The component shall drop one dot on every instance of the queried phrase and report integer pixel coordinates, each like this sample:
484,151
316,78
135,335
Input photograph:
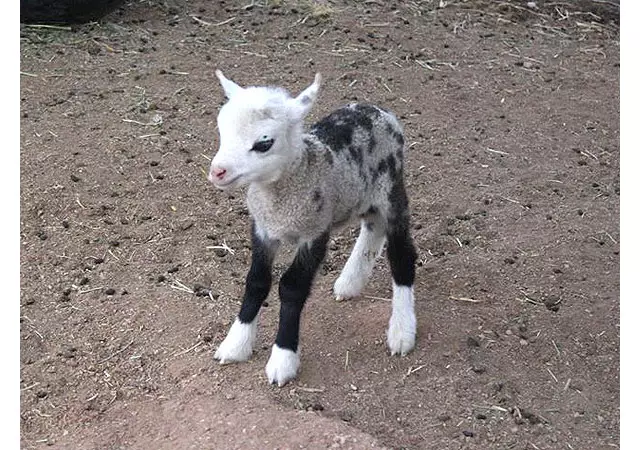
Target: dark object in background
65,11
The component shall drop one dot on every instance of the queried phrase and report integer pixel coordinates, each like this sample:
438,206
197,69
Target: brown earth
512,122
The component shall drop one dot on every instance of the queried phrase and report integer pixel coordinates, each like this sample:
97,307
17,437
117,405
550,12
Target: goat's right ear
230,88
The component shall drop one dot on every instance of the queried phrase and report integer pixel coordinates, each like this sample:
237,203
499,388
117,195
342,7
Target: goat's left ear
302,104
230,88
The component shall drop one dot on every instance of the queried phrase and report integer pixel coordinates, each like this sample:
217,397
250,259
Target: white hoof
238,345
282,366
348,285
401,335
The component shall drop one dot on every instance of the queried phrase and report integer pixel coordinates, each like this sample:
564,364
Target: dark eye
262,146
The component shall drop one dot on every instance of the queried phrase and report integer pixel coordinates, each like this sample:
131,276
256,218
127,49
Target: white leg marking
282,366
238,345
359,266
401,336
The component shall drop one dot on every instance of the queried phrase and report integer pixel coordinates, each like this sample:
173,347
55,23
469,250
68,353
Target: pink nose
217,173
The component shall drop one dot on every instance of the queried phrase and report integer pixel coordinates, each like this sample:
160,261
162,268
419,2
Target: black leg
238,345
401,334
259,278
295,286
401,251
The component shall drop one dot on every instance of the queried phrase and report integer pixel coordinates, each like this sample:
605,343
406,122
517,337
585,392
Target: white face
255,128
253,147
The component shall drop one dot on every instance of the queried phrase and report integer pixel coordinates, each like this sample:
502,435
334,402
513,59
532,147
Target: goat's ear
302,104
230,88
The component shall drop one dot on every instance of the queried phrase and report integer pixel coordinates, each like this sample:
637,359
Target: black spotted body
349,165
367,146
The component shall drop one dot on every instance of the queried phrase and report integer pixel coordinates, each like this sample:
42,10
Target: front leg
238,345
295,286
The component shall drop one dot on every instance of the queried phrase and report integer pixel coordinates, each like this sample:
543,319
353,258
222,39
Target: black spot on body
319,199
367,110
372,143
336,130
379,170
328,156
382,167
391,162
398,137
356,154
390,129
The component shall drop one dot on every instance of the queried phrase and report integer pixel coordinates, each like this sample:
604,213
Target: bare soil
132,264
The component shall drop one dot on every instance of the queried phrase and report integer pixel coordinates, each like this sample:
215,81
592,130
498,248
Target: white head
260,132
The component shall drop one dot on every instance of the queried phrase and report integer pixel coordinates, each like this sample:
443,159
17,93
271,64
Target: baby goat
301,186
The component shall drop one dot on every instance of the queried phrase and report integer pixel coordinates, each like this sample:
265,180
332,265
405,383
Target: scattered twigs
465,299
224,22
200,21
371,297
497,151
512,201
49,27
193,347
86,291
224,247
529,299
415,369
155,121
492,408
430,63
180,286
116,353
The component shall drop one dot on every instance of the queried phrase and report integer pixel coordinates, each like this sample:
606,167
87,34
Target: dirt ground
133,265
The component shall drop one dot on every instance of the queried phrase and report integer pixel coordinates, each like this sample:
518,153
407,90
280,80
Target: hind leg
401,252
359,266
